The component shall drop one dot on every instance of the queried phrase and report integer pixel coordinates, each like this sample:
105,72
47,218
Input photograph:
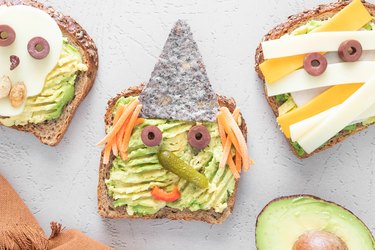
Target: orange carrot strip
120,136
238,162
230,134
107,153
232,167
129,128
119,111
116,128
232,124
139,121
114,148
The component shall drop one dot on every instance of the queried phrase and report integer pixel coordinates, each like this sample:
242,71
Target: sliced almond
17,95
5,86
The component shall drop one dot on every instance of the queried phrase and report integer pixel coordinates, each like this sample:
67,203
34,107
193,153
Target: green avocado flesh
131,181
286,102
282,222
57,92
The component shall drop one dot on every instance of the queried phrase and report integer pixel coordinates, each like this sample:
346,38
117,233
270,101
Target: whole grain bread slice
105,202
51,132
322,12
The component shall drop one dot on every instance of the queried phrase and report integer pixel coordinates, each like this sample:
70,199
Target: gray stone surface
60,183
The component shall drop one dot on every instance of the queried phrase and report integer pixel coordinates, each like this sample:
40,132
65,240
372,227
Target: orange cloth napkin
20,230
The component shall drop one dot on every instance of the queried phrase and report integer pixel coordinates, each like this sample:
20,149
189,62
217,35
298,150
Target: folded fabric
20,230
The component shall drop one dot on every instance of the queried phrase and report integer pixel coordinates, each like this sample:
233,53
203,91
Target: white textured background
60,183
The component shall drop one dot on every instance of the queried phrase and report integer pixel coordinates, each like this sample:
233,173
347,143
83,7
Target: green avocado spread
130,182
57,92
286,102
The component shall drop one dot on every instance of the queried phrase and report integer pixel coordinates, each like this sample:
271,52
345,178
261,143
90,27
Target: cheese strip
355,105
353,17
313,42
330,98
301,128
337,73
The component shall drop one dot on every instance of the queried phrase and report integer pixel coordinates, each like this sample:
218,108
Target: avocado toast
47,114
168,172
288,107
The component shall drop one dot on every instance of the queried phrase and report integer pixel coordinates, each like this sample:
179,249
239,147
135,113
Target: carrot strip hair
129,128
107,153
115,129
238,162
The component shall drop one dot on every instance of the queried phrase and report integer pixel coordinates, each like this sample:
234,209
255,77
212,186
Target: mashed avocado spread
58,90
131,181
286,102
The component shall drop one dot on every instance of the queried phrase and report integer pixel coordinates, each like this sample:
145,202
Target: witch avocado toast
48,64
174,149
317,70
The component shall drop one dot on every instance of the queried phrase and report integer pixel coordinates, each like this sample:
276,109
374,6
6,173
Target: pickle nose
14,62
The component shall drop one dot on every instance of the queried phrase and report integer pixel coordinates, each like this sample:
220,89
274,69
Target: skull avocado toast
45,72
317,71
174,149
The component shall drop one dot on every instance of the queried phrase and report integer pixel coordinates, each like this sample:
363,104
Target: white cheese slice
28,22
304,96
347,112
315,42
338,73
297,130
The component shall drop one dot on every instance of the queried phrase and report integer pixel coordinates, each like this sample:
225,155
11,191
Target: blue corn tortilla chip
179,88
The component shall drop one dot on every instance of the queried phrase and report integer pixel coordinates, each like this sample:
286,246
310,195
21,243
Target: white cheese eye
7,35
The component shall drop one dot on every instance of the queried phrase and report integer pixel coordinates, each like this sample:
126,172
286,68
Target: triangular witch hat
179,88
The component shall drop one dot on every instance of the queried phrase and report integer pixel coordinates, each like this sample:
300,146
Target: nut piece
17,94
5,86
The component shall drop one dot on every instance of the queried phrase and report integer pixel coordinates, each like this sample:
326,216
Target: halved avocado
304,222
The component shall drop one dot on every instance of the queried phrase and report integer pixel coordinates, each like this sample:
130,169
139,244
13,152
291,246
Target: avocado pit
319,240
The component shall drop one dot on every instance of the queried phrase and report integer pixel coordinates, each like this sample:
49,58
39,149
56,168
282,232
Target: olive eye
151,136
350,51
7,35
38,48
199,137
315,64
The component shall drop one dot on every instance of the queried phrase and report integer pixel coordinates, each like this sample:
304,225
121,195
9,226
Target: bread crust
321,12
105,206
51,132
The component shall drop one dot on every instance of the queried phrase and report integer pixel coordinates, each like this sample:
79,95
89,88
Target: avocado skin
308,196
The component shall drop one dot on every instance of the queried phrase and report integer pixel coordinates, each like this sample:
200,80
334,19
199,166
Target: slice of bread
322,12
105,203
51,132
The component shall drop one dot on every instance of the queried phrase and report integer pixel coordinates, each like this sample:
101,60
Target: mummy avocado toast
304,222
48,64
318,73
174,149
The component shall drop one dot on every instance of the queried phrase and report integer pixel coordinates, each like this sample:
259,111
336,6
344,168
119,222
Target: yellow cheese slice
352,17
328,99
355,105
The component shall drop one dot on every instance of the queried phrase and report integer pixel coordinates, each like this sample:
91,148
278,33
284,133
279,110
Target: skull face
27,23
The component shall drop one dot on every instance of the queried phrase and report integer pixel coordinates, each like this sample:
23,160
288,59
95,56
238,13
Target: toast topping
19,25
151,136
17,95
7,35
179,88
350,50
38,48
315,64
326,111
199,137
5,86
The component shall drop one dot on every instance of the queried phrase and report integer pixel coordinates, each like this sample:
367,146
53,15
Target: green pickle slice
177,166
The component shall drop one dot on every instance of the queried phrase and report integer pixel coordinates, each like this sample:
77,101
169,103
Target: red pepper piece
160,194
